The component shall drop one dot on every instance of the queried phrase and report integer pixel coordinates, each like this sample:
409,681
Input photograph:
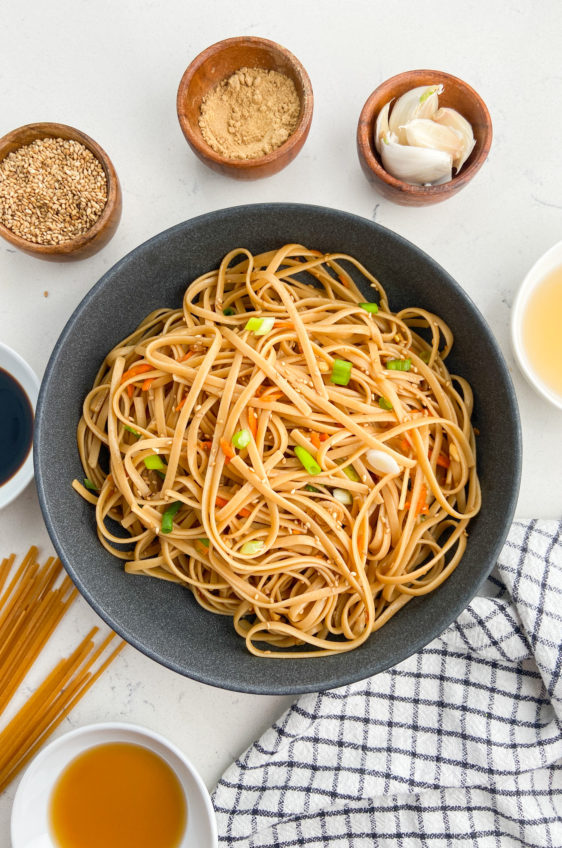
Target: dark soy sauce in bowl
16,426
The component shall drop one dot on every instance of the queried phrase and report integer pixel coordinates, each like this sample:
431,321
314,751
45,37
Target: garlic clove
382,462
455,121
415,165
423,132
420,102
381,125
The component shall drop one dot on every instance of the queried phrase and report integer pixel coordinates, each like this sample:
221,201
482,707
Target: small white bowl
30,820
547,263
13,363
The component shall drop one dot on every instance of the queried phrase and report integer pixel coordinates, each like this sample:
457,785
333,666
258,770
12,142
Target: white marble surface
112,69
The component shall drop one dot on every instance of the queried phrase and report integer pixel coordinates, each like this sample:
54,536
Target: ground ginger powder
250,114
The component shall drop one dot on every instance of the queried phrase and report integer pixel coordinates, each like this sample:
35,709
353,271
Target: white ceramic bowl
30,825
548,262
13,363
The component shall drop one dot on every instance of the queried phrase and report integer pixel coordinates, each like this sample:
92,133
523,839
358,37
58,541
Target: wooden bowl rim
365,128
48,129
306,100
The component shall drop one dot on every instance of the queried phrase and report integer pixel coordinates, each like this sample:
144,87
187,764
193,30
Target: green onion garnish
425,356
350,472
370,307
154,463
384,403
89,485
310,488
168,517
252,547
260,326
343,496
398,364
307,460
134,432
228,311
204,542
241,439
341,372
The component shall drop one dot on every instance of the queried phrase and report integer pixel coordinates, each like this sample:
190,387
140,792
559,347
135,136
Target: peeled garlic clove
453,119
423,132
415,165
381,125
382,462
420,102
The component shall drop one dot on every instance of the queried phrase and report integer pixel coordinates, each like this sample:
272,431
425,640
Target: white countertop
112,69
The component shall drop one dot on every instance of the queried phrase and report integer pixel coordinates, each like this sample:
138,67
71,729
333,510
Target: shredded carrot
186,356
323,437
253,421
269,396
422,508
405,444
284,325
315,439
147,384
220,501
343,280
244,512
130,390
228,450
181,403
203,549
442,460
206,445
135,371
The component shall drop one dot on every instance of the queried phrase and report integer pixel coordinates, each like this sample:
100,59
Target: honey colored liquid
118,795
542,330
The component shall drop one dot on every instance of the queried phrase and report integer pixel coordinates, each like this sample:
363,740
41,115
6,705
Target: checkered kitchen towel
459,745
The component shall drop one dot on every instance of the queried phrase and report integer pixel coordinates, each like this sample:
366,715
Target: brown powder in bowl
250,114
51,190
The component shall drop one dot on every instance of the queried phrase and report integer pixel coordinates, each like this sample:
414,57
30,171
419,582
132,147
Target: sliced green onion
343,496
89,485
307,460
341,372
398,364
252,547
168,517
350,472
154,463
134,432
242,439
310,488
260,326
370,307
384,403
425,356
161,474
228,311
204,542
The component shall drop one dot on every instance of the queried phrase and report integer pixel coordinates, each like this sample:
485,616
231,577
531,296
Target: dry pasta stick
32,603
273,520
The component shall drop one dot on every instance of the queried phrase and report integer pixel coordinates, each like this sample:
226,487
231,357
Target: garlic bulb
420,102
422,132
453,119
420,143
415,165
381,126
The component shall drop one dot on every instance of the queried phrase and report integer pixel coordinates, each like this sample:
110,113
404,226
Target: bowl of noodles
288,454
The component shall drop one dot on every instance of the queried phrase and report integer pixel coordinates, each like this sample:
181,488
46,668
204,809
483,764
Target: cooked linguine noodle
301,460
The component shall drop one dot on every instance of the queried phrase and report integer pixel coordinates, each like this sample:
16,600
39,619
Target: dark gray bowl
162,619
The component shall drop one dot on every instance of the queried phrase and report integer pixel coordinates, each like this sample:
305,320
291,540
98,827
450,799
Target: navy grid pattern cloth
459,745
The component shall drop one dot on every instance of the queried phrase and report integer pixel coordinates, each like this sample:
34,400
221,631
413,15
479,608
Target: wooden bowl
218,62
457,95
103,229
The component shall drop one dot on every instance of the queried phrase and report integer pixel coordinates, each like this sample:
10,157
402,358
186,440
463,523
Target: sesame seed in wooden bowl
60,197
